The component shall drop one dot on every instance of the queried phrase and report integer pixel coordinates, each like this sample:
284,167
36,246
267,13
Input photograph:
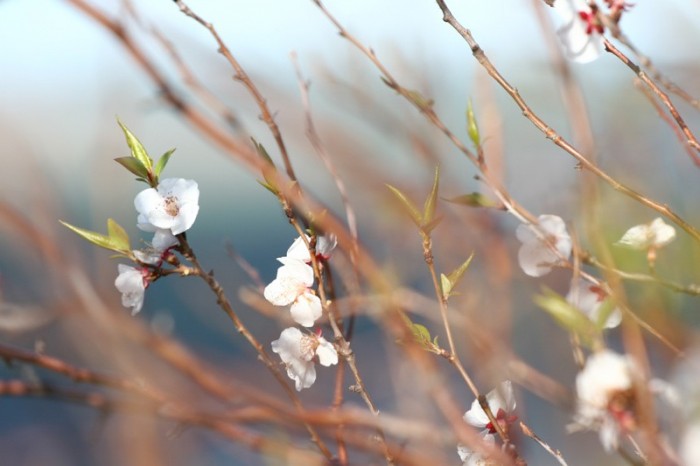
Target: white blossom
324,247
501,401
173,206
580,33
650,235
293,286
605,401
536,256
470,457
131,284
299,350
589,298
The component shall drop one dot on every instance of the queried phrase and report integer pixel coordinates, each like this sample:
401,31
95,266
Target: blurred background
65,79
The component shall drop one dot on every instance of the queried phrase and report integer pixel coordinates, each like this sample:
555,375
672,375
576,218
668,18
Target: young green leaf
162,162
431,200
269,187
118,235
568,317
133,165
454,277
98,239
446,286
137,150
472,127
409,207
262,152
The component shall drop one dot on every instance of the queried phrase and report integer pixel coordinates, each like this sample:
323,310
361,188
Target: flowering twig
551,134
226,306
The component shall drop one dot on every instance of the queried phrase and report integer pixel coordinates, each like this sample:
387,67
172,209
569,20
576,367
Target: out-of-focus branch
692,141
179,414
197,119
242,76
551,134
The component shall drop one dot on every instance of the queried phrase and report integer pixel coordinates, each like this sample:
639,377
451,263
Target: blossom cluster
293,287
548,244
166,211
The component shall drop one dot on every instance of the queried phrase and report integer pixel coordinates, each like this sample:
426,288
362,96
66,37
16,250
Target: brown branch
551,134
179,414
691,140
667,119
242,76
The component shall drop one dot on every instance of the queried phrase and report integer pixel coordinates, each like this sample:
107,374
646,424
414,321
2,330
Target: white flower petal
163,240
327,355
470,457
537,257
578,44
589,298
296,270
500,398
306,309
324,247
663,233
299,251
476,416
131,285
283,291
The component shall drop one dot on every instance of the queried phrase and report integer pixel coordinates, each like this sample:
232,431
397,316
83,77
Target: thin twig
242,76
692,141
552,135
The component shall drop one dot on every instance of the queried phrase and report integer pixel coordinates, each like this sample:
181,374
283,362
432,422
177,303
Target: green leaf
420,332
446,285
430,226
118,235
454,277
408,206
262,152
269,187
472,200
269,168
431,200
133,165
137,150
472,127
162,162
567,316
98,239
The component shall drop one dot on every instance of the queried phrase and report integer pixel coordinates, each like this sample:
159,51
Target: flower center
621,408
171,207
308,345
503,419
600,292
